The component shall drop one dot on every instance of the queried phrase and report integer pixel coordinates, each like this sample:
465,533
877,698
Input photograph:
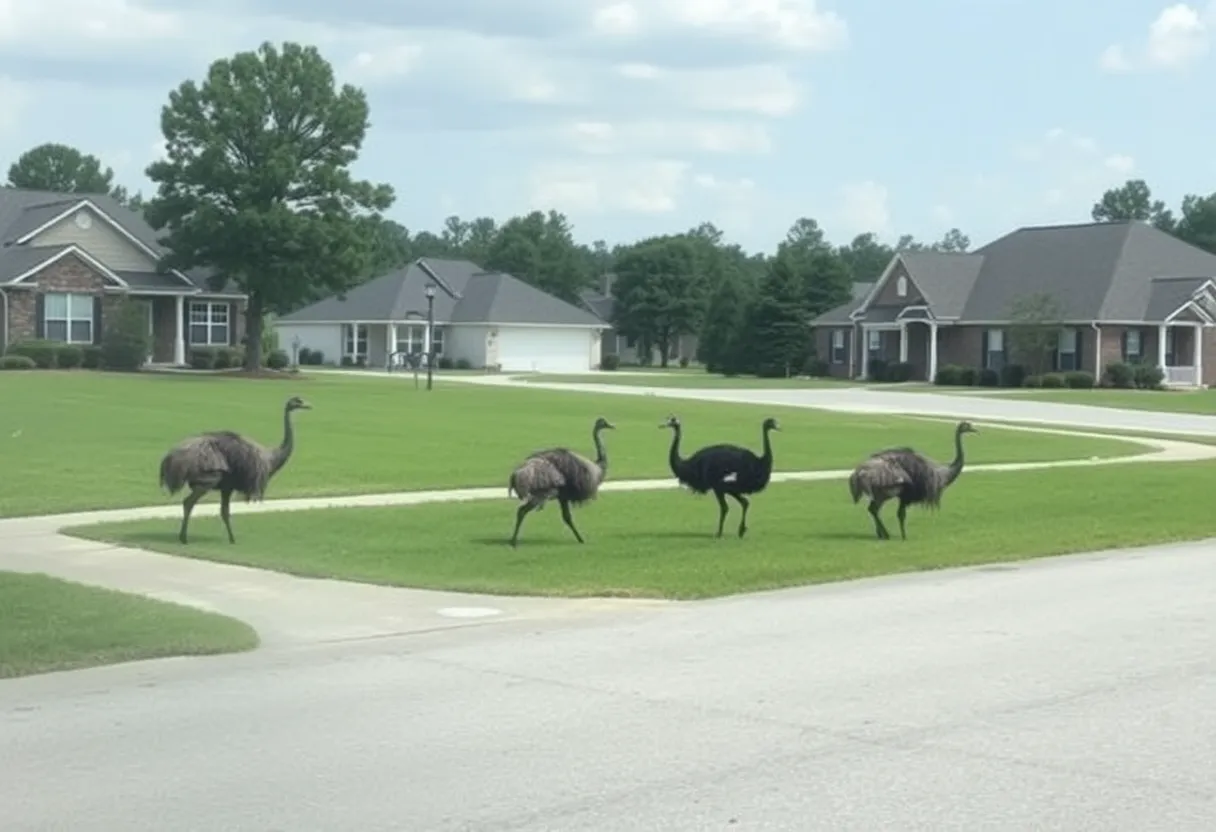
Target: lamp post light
430,333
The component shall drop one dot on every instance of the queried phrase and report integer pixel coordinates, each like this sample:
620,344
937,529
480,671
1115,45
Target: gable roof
465,294
1117,271
840,316
24,212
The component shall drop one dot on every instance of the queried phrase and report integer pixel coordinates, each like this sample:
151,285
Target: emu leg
568,520
188,504
722,510
879,528
901,514
225,500
743,501
519,520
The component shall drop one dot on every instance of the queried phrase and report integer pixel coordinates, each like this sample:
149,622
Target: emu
723,469
226,461
561,474
907,475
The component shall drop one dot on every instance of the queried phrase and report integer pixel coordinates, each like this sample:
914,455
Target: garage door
544,350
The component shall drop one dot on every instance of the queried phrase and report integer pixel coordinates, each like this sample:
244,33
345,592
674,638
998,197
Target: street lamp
430,333
295,351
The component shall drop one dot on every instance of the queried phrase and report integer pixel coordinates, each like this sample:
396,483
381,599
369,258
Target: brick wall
70,274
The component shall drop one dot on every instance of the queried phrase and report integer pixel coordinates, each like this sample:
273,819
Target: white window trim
69,320
1138,352
874,340
352,336
1000,337
411,338
837,344
901,286
437,340
210,323
1076,337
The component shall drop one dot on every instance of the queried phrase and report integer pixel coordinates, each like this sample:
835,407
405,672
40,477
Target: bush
1012,375
947,376
69,357
126,342
968,376
1148,376
42,353
446,363
989,377
277,359
1032,381
900,372
17,362
684,362
311,357
466,364
221,358
876,370
610,362
1079,379
90,357
202,358
816,368
1120,375
1053,381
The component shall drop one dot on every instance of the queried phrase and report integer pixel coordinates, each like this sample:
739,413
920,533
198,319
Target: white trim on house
919,308
113,223
1193,306
877,288
438,322
160,293
210,323
89,260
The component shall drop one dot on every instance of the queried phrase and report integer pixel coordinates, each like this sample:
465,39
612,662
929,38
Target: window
838,348
994,349
1132,349
437,340
209,324
411,339
354,340
874,342
68,317
1066,351
901,286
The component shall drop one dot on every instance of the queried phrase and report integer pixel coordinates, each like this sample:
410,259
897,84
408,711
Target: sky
639,118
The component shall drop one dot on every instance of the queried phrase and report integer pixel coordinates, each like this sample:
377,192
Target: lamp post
430,333
295,351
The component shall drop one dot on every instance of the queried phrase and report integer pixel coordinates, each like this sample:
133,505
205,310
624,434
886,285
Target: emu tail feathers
856,487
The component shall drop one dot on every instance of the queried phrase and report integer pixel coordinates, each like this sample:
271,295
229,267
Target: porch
387,344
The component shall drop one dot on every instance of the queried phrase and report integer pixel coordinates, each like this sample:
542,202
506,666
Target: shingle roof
599,304
23,211
944,278
840,315
467,294
15,262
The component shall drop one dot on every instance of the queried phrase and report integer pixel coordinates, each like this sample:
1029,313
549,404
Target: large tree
779,335
65,169
256,186
1197,225
1133,200
537,247
660,294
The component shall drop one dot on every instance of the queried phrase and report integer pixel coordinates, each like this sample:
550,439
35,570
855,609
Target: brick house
1127,291
66,258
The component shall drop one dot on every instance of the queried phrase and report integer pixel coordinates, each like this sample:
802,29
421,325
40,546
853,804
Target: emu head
770,424
966,427
602,423
296,403
673,421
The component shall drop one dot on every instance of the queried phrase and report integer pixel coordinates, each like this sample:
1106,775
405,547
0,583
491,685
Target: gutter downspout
1097,353
4,320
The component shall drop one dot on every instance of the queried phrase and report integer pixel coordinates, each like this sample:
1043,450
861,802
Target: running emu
908,475
561,474
226,461
723,469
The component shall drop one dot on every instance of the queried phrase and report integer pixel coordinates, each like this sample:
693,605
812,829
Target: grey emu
561,474
226,461
905,474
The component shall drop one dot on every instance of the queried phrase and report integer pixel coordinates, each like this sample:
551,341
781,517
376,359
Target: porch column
391,346
932,374
426,340
861,350
903,343
1161,349
1198,355
179,337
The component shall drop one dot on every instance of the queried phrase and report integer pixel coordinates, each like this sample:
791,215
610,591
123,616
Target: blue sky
639,118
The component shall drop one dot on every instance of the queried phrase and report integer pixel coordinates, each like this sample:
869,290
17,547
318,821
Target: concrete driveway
1070,694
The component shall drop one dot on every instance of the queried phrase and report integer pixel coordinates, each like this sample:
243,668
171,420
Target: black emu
226,461
723,469
561,474
907,475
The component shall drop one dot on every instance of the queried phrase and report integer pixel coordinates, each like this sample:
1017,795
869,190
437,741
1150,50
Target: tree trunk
253,333
663,339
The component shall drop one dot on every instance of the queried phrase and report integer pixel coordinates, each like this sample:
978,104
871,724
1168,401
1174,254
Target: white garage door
544,350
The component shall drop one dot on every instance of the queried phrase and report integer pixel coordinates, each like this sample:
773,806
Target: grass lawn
74,441
660,543
51,624
688,380
1175,401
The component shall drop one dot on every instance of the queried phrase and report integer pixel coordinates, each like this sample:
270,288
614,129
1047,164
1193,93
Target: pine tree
779,333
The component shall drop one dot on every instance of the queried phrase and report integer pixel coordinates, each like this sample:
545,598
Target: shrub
968,376
989,377
610,362
17,362
221,358
1079,379
900,372
125,342
816,368
347,361
42,353
1053,381
202,358
446,363
1149,376
1032,381
1012,375
311,357
876,370
69,357
90,357
947,376
277,359
466,364
684,362
1119,374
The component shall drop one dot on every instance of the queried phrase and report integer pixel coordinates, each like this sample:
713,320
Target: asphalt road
1071,694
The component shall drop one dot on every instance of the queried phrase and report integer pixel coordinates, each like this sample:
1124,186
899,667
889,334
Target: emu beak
610,426
305,406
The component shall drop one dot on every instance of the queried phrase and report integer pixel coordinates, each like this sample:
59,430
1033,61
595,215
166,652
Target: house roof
1117,271
466,294
599,304
840,315
23,212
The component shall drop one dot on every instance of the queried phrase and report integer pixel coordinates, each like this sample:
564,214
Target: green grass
690,380
73,441
1173,401
51,624
660,543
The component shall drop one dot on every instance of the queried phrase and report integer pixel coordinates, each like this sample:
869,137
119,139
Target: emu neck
601,455
673,456
956,467
281,454
767,456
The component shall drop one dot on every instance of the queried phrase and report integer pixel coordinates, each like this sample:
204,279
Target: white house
488,319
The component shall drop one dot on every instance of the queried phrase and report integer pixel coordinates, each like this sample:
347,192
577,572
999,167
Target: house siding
823,350
889,295
100,240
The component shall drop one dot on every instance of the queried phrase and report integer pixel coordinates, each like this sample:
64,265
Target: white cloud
645,137
391,63
765,89
864,207
15,97
634,186
1179,37
943,214
788,24
617,19
1120,163
79,23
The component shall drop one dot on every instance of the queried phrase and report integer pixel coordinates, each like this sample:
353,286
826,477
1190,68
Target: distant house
66,258
601,303
1128,292
487,319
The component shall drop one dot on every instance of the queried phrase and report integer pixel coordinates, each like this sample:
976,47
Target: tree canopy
64,169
